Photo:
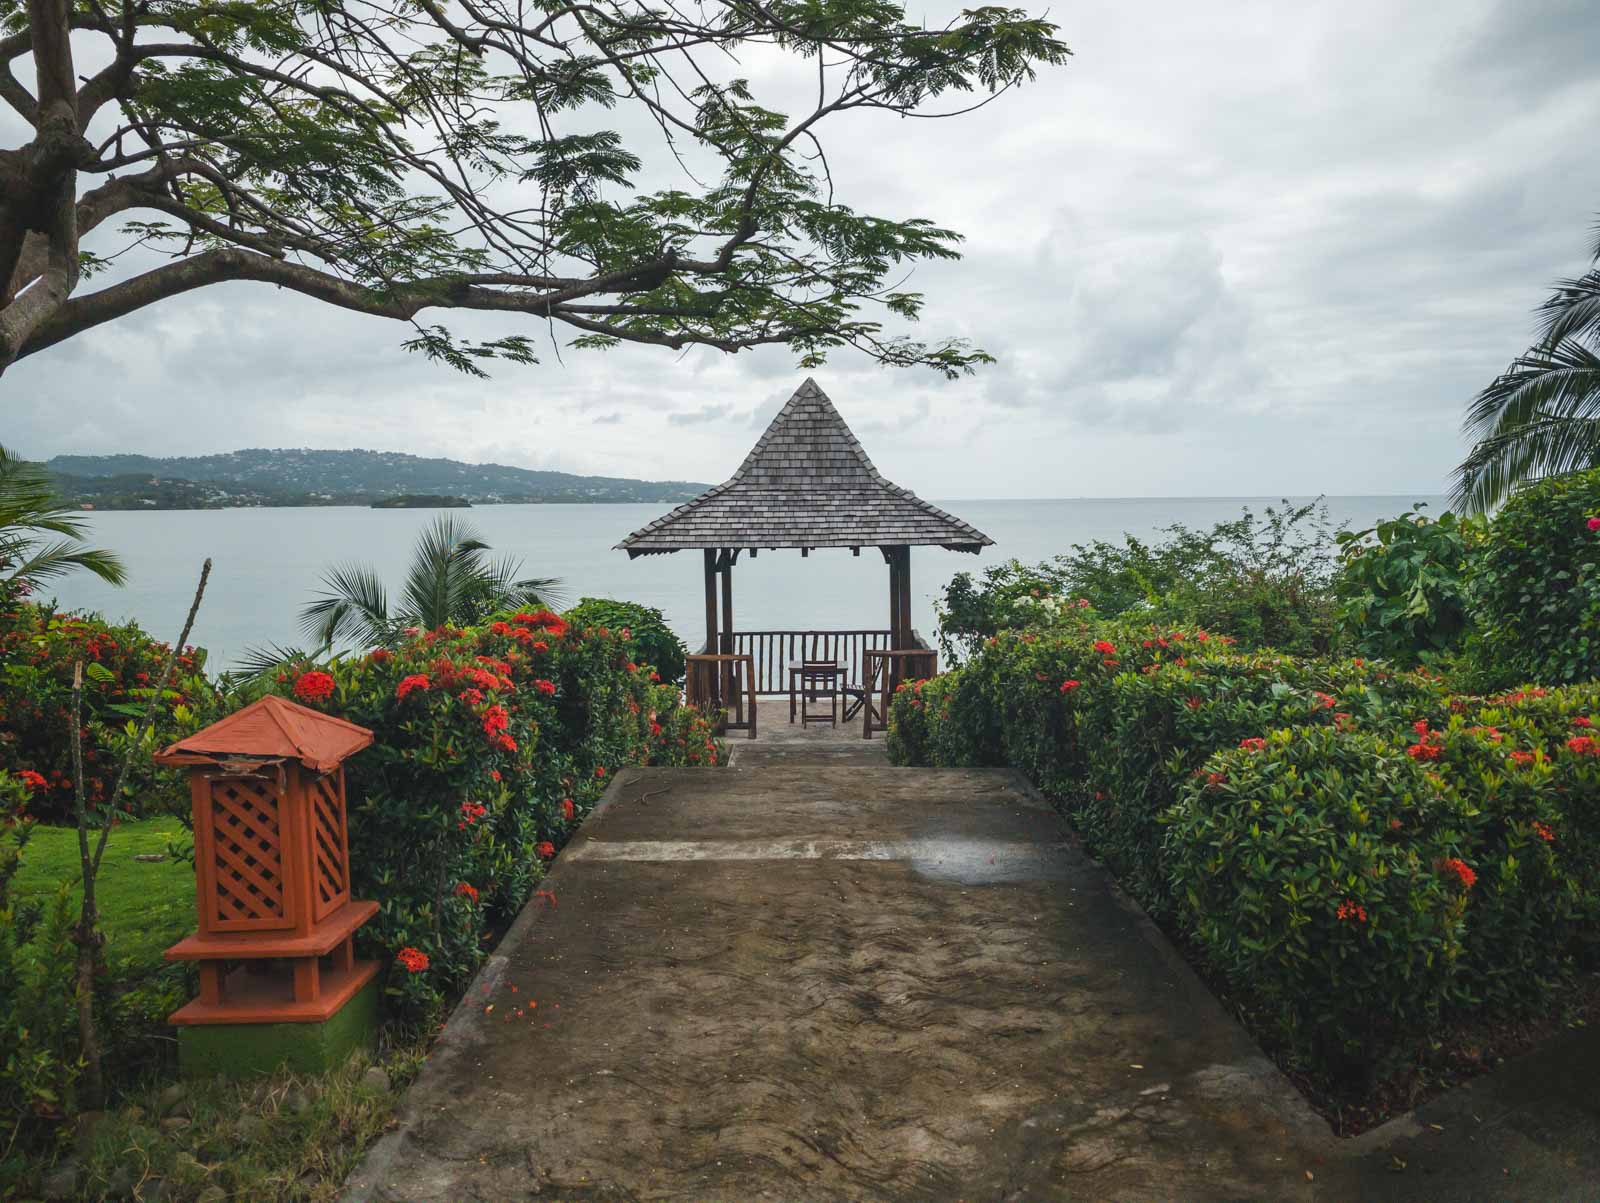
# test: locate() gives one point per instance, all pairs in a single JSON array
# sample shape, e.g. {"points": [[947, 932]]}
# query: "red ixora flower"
{"points": [[568, 809], [1069, 686], [545, 850], [1351, 911], [412, 960], [471, 812], [1254, 743], [411, 684], [1543, 831], [1105, 647], [1583, 745], [1522, 758], [34, 781], [1463, 871], [600, 771], [468, 891], [1582, 721], [1424, 751], [1593, 524], [495, 720], [545, 687], [313, 686], [380, 655]]}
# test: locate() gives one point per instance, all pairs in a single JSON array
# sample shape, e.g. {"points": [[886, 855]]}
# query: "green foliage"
{"points": [[1263, 580], [1403, 585], [38, 1016], [643, 630], [38, 649], [1538, 584], [492, 744], [1309, 872]]}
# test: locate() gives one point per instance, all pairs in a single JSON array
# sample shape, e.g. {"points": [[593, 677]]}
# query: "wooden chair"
{"points": [[819, 679]]}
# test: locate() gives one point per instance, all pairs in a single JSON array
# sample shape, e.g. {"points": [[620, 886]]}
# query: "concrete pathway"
{"points": [[818, 979]]}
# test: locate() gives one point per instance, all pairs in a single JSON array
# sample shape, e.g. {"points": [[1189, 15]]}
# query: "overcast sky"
{"points": [[1252, 248]]}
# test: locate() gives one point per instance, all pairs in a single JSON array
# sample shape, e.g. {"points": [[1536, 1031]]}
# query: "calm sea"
{"points": [[267, 561]]}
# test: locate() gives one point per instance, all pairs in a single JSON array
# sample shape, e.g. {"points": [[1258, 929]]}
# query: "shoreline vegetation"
{"points": [[297, 477]]}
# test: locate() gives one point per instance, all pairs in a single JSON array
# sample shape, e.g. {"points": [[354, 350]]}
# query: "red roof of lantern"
{"points": [[272, 728]]}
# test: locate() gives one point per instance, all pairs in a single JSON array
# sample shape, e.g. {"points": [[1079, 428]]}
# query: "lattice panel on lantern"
{"points": [[331, 871], [247, 856]]}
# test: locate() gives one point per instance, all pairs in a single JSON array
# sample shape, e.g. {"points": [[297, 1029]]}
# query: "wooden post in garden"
{"points": [[275, 944]]}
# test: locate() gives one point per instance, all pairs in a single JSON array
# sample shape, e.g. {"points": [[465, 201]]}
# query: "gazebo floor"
{"points": [[778, 740]]}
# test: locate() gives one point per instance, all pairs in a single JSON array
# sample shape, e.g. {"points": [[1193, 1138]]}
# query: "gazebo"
{"points": [[807, 483]]}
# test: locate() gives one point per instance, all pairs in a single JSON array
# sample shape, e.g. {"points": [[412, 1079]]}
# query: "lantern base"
{"points": [[241, 1050], [250, 996]]}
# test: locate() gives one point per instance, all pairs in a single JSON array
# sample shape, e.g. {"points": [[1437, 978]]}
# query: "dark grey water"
{"points": [[268, 561]]}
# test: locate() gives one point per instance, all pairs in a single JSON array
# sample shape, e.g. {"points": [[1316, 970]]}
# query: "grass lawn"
{"points": [[145, 906]]}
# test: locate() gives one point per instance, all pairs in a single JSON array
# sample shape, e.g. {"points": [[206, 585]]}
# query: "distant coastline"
{"points": [[299, 477]]}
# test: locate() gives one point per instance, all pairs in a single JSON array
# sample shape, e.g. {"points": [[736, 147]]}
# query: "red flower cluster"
{"points": [[1583, 745], [499, 628], [1254, 743], [468, 891], [1582, 721], [411, 684], [1105, 647], [1069, 686], [547, 688], [1327, 700], [1522, 758], [412, 960], [568, 809], [380, 655], [1351, 911], [1542, 830], [313, 686], [542, 620], [546, 850], [34, 781], [1463, 871], [600, 771], [472, 697], [1427, 748], [471, 812], [1593, 524], [495, 720]]}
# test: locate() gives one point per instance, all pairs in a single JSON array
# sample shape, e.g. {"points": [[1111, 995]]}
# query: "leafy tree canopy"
{"points": [[405, 157]]}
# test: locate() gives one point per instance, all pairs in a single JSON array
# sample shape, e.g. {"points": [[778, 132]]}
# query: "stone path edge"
{"points": [[466, 1025]]}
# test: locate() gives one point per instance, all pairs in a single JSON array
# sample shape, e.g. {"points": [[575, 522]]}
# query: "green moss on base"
{"points": [[241, 1050]]}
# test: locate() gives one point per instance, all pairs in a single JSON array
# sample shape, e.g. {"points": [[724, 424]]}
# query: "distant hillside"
{"points": [[287, 476]]}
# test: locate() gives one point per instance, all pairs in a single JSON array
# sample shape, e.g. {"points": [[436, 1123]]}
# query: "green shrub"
{"points": [[491, 745], [38, 991], [643, 629], [1316, 867], [38, 648], [1403, 585], [1537, 584]]}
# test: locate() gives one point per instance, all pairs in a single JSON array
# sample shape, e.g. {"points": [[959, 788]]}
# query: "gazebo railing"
{"points": [[773, 652]]}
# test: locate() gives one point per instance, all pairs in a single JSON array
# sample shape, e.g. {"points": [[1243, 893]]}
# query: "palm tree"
{"points": [[30, 512], [1541, 416], [451, 581]]}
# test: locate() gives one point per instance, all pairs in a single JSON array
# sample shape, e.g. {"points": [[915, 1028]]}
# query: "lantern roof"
{"points": [[272, 728]]}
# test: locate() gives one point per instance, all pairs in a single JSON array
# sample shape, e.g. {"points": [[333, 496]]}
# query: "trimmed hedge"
{"points": [[1300, 820]]}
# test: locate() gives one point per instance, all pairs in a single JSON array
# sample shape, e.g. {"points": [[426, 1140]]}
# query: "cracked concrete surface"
{"points": [[794, 980]]}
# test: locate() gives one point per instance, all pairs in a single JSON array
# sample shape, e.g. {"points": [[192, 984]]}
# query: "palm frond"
{"points": [[256, 662], [353, 606], [46, 561], [1541, 417], [30, 510]]}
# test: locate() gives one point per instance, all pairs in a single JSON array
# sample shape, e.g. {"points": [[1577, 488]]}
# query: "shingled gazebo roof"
{"points": [[806, 483]]}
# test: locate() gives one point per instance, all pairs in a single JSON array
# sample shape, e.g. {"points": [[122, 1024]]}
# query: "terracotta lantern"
{"points": [[272, 867]]}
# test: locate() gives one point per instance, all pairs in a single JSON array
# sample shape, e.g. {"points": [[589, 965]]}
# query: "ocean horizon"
{"points": [[267, 561]]}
